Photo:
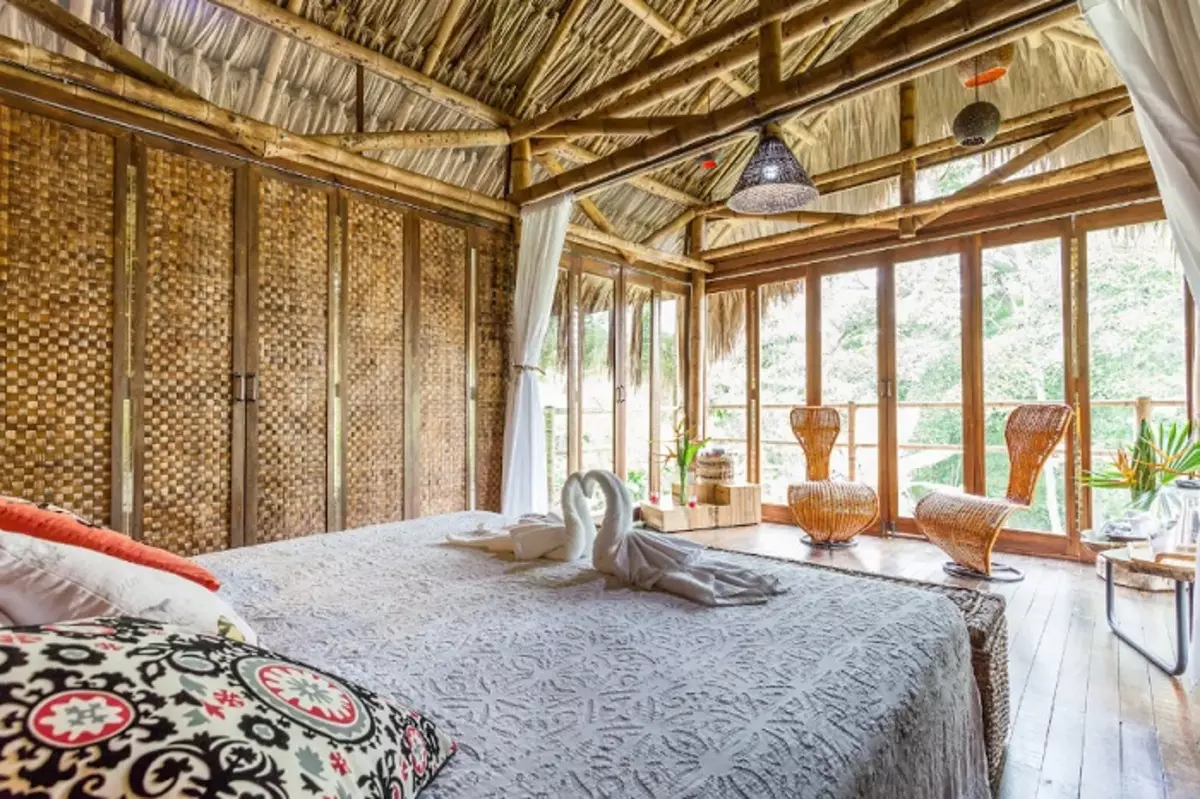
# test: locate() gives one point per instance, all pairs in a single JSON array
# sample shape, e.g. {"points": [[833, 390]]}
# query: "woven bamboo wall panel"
{"points": [[187, 405], [293, 309], [56, 296], [494, 279], [373, 385], [443, 467]]}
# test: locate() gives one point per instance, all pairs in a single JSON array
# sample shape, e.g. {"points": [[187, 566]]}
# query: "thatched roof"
{"points": [[489, 54]]}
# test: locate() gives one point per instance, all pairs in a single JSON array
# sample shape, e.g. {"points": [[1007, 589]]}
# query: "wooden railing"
{"points": [[1142, 408]]}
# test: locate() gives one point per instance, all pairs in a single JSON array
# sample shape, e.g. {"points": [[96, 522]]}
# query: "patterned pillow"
{"points": [[127, 707]]}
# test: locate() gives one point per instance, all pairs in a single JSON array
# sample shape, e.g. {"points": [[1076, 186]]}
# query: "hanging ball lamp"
{"points": [[986, 68], [977, 124], [773, 182]]}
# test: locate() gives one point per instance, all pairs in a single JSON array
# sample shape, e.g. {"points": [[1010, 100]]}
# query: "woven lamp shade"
{"points": [[977, 124], [773, 182]]}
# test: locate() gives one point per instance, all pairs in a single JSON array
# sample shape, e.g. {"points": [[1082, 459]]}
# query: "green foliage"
{"points": [[1160, 454]]}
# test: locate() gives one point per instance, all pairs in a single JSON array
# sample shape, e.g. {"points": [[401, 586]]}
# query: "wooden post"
{"points": [[118, 22], [1190, 350], [522, 165], [574, 318], [1083, 375], [971, 286], [1075, 443], [753, 410], [360, 109], [908, 140], [851, 439], [812, 336], [697, 337], [1143, 411], [654, 476], [889, 453]]}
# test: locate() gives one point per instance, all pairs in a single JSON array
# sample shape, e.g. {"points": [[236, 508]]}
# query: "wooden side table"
{"points": [[1183, 574]]}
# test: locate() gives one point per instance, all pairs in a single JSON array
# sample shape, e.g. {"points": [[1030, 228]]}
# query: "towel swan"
{"points": [[655, 562], [567, 537]]}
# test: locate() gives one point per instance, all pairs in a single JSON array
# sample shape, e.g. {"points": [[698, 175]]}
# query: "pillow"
{"points": [[63, 527], [133, 708], [43, 582]]}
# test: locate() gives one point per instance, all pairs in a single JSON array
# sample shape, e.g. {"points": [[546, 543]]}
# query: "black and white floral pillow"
{"points": [[112, 707]]}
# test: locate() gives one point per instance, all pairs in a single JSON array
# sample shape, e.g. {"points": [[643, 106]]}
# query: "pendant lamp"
{"points": [[773, 182]]}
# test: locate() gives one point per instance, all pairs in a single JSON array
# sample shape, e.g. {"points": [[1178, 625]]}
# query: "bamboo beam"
{"points": [[908, 167], [1074, 39], [326, 41], [522, 164], [681, 22], [557, 39], [589, 208], [270, 75], [647, 184], [96, 42], [258, 136], [433, 55], [416, 139], [676, 57], [678, 262], [615, 126], [985, 194], [663, 27], [904, 55], [1084, 123], [799, 217], [664, 88], [1049, 114], [770, 55]]}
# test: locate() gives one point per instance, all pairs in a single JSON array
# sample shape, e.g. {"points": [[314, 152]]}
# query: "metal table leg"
{"points": [[1183, 611]]}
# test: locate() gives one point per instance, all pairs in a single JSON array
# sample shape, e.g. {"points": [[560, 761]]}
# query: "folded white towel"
{"points": [[567, 537], [653, 561]]}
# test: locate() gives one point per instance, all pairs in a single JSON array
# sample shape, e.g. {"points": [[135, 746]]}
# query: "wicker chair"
{"points": [[831, 513], [966, 526]]}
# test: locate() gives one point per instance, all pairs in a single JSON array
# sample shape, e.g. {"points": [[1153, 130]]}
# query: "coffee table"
{"points": [[1182, 573]]}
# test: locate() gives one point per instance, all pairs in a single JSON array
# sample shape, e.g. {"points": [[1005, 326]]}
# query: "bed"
{"points": [[559, 683]]}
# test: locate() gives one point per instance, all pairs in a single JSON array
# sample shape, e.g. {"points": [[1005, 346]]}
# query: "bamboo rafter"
{"points": [[433, 56], [1085, 122], [416, 139], [985, 194], [96, 42], [906, 54], [676, 57]]}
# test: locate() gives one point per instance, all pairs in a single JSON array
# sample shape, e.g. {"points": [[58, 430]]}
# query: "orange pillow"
{"points": [[63, 527]]}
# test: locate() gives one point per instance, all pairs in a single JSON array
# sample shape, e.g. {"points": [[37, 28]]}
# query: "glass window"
{"points": [[596, 356], [638, 300], [850, 368], [1023, 362], [671, 389], [553, 384], [1136, 341], [782, 356], [726, 423], [928, 378]]}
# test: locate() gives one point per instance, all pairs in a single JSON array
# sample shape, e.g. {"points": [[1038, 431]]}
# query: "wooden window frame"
{"points": [[1072, 234]]}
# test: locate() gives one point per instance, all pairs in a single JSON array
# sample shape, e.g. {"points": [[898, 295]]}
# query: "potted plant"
{"points": [[684, 454], [1161, 453]]}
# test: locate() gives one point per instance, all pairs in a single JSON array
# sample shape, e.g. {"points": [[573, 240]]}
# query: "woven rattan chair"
{"points": [[966, 526], [831, 512]]}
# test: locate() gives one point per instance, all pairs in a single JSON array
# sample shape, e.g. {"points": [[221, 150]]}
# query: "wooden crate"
{"points": [[744, 498]]}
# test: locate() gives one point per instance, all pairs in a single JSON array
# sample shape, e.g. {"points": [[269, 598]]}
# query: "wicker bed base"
{"points": [[988, 628]]}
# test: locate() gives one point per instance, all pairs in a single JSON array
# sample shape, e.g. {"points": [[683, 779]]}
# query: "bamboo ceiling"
{"points": [[490, 50]]}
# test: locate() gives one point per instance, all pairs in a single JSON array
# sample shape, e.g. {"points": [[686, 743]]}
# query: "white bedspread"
{"points": [[558, 683]]}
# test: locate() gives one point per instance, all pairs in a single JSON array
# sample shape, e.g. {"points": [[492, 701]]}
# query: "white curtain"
{"points": [[543, 233], [1155, 46]]}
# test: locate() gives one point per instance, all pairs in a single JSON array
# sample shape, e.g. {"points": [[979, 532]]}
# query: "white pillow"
{"points": [[42, 582]]}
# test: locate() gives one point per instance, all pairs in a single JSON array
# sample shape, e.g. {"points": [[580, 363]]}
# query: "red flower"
{"points": [[214, 710], [229, 698], [109, 645], [339, 763]]}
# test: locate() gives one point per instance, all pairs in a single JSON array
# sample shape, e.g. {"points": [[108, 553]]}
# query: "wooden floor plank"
{"points": [[1091, 718]]}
